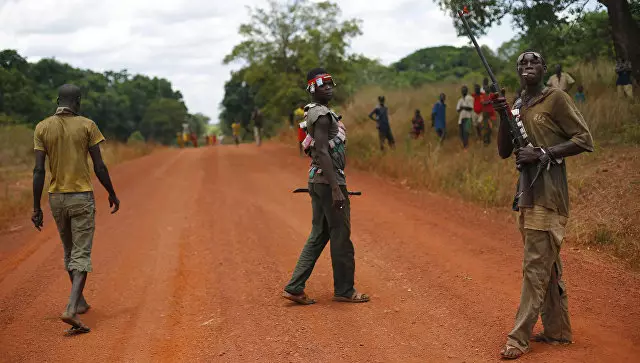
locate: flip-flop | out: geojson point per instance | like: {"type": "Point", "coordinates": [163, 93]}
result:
{"type": "Point", "coordinates": [301, 299]}
{"type": "Point", "coordinates": [75, 323]}
{"type": "Point", "coordinates": [355, 298]}
{"type": "Point", "coordinates": [75, 331]}
{"type": "Point", "coordinates": [511, 348]}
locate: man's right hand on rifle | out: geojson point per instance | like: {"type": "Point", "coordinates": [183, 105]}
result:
{"type": "Point", "coordinates": [498, 101]}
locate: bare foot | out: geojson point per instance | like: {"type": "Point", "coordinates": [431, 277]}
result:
{"type": "Point", "coordinates": [77, 325]}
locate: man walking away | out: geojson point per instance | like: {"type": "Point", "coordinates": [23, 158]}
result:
{"type": "Point", "coordinates": [257, 125]}
{"type": "Point", "coordinates": [561, 79]}
{"type": "Point", "coordinates": [478, 98]}
{"type": "Point", "coordinates": [557, 130]}
{"type": "Point", "coordinates": [465, 111]}
{"type": "Point", "coordinates": [624, 83]}
{"type": "Point", "coordinates": [382, 120]}
{"type": "Point", "coordinates": [438, 117]}
{"type": "Point", "coordinates": [329, 198]}
{"type": "Point", "coordinates": [66, 138]}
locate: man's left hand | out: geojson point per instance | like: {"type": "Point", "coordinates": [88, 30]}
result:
{"type": "Point", "coordinates": [37, 219]}
{"type": "Point", "coordinates": [527, 155]}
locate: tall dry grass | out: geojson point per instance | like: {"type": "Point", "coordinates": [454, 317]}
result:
{"type": "Point", "coordinates": [604, 213]}
{"type": "Point", "coordinates": [16, 165]}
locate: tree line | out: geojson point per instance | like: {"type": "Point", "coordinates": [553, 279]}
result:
{"type": "Point", "coordinates": [286, 38]}
{"type": "Point", "coordinates": [121, 104]}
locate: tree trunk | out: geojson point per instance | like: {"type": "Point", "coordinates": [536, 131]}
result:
{"type": "Point", "coordinates": [626, 33]}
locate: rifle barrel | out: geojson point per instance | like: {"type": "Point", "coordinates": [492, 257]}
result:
{"type": "Point", "coordinates": [479, 50]}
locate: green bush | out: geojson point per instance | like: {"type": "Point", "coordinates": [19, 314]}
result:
{"type": "Point", "coordinates": [136, 137]}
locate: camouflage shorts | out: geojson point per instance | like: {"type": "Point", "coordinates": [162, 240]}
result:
{"type": "Point", "coordinates": [74, 214]}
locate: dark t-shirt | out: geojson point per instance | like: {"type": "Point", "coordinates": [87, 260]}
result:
{"type": "Point", "coordinates": [382, 117]}
{"type": "Point", "coordinates": [552, 119]}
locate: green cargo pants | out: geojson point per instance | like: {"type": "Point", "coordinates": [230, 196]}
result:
{"type": "Point", "coordinates": [75, 214]}
{"type": "Point", "coordinates": [543, 291]}
{"type": "Point", "coordinates": [333, 224]}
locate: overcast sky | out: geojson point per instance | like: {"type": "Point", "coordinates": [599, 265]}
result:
{"type": "Point", "coordinates": [186, 40]}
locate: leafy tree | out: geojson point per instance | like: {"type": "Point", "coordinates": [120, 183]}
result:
{"type": "Point", "coordinates": [282, 42]}
{"type": "Point", "coordinates": [117, 101]}
{"type": "Point", "coordinates": [539, 19]}
{"type": "Point", "coordinates": [162, 119]}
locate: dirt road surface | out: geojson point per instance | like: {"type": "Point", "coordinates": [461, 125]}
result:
{"type": "Point", "coordinates": [192, 268]}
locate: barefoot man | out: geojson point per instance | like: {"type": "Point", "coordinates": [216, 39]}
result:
{"type": "Point", "coordinates": [329, 197]}
{"type": "Point", "coordinates": [66, 138]}
{"type": "Point", "coordinates": [557, 130]}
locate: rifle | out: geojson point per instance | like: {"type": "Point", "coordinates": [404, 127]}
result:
{"type": "Point", "coordinates": [518, 133]}
{"type": "Point", "coordinates": [305, 190]}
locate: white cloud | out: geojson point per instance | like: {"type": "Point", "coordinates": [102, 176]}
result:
{"type": "Point", "coordinates": [186, 40]}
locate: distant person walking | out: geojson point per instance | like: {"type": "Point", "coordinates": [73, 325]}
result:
{"type": "Point", "coordinates": [561, 79]}
{"type": "Point", "coordinates": [66, 138]}
{"type": "Point", "coordinates": [417, 125]}
{"type": "Point", "coordinates": [257, 119]}
{"type": "Point", "coordinates": [624, 83]}
{"type": "Point", "coordinates": [465, 114]}
{"type": "Point", "coordinates": [235, 127]}
{"type": "Point", "coordinates": [438, 117]}
{"type": "Point", "coordinates": [382, 119]}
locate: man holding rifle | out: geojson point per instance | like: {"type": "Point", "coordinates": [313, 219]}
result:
{"type": "Point", "coordinates": [555, 129]}
{"type": "Point", "coordinates": [325, 144]}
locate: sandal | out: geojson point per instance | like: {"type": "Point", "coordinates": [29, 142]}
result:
{"type": "Point", "coordinates": [357, 297]}
{"type": "Point", "coordinates": [541, 338]}
{"type": "Point", "coordinates": [510, 352]}
{"type": "Point", "coordinates": [301, 299]}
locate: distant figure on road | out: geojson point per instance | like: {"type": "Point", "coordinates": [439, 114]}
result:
{"type": "Point", "coordinates": [257, 118]}
{"type": "Point", "coordinates": [381, 113]}
{"type": "Point", "coordinates": [465, 111]}
{"type": "Point", "coordinates": [194, 139]}
{"type": "Point", "coordinates": [417, 125]}
{"type": "Point", "coordinates": [561, 79]}
{"type": "Point", "coordinates": [179, 140]}
{"type": "Point", "coordinates": [235, 127]}
{"type": "Point", "coordinates": [557, 130]}
{"type": "Point", "coordinates": [66, 138]}
{"type": "Point", "coordinates": [580, 96]}
{"type": "Point", "coordinates": [623, 82]}
{"type": "Point", "coordinates": [438, 117]}
{"type": "Point", "coordinates": [329, 198]}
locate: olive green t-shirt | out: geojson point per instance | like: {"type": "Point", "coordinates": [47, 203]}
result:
{"type": "Point", "coordinates": [552, 119]}
{"type": "Point", "coordinates": [66, 139]}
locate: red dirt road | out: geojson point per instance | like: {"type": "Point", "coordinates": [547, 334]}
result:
{"type": "Point", "coordinates": [193, 265]}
